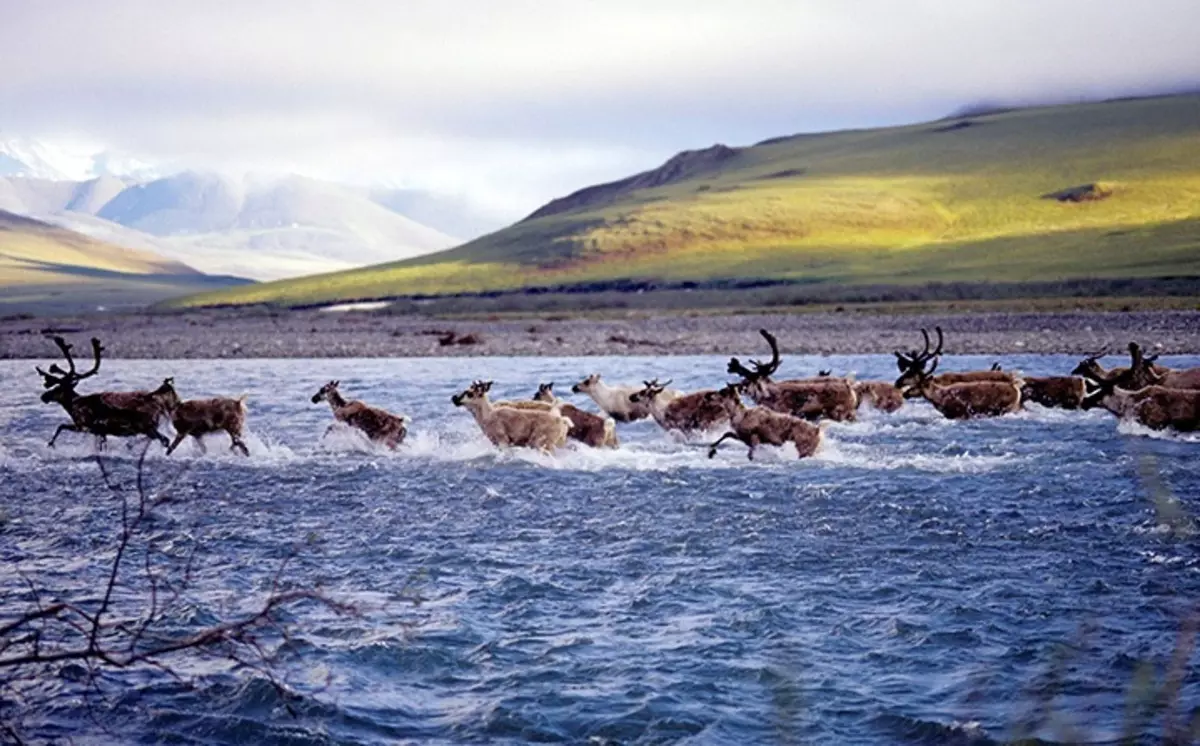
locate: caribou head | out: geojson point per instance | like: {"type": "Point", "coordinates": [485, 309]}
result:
{"type": "Point", "coordinates": [325, 392]}
{"type": "Point", "coordinates": [913, 364]}
{"type": "Point", "coordinates": [586, 384]}
{"type": "Point", "coordinates": [60, 384]}
{"type": "Point", "coordinates": [476, 391]}
{"type": "Point", "coordinates": [1089, 367]}
{"type": "Point", "coordinates": [652, 389]}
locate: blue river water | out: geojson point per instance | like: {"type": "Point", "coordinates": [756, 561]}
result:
{"type": "Point", "coordinates": [917, 581]}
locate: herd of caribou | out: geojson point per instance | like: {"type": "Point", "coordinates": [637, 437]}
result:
{"type": "Point", "coordinates": [784, 412]}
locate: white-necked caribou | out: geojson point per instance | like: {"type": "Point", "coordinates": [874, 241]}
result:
{"type": "Point", "coordinates": [615, 400]}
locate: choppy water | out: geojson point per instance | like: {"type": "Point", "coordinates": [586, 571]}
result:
{"type": "Point", "coordinates": [915, 582]}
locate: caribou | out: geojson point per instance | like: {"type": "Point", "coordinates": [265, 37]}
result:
{"type": "Point", "coordinates": [913, 365]}
{"type": "Point", "coordinates": [379, 425]}
{"type": "Point", "coordinates": [1144, 372]}
{"type": "Point", "coordinates": [510, 426]}
{"type": "Point", "coordinates": [1059, 392]}
{"type": "Point", "coordinates": [1091, 369]}
{"type": "Point", "coordinates": [965, 400]}
{"type": "Point", "coordinates": [1156, 407]}
{"type": "Point", "coordinates": [199, 417]}
{"type": "Point", "coordinates": [615, 400]}
{"type": "Point", "coordinates": [586, 427]}
{"type": "Point", "coordinates": [687, 413]}
{"type": "Point", "coordinates": [759, 425]}
{"type": "Point", "coordinates": [121, 414]}
{"type": "Point", "coordinates": [812, 398]}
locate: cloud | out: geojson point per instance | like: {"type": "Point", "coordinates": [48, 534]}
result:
{"type": "Point", "coordinates": [516, 102]}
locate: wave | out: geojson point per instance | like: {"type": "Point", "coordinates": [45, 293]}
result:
{"type": "Point", "coordinates": [1129, 427]}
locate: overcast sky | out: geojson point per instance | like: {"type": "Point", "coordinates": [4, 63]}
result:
{"type": "Point", "coordinates": [512, 102]}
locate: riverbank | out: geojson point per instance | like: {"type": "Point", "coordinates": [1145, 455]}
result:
{"type": "Point", "coordinates": [282, 334]}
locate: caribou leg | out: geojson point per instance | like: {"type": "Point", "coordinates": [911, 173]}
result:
{"type": "Point", "coordinates": [753, 442]}
{"type": "Point", "coordinates": [712, 449]}
{"type": "Point", "coordinates": [175, 443]}
{"type": "Point", "coordinates": [72, 427]}
{"type": "Point", "coordinates": [238, 444]}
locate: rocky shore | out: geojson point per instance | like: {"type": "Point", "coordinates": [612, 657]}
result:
{"type": "Point", "coordinates": [261, 334]}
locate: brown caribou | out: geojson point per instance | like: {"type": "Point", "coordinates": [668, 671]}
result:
{"type": "Point", "coordinates": [1091, 369]}
{"type": "Point", "coordinates": [199, 417]}
{"type": "Point", "coordinates": [586, 427]}
{"type": "Point", "coordinates": [811, 398]}
{"type": "Point", "coordinates": [687, 413]}
{"type": "Point", "coordinates": [759, 425]}
{"type": "Point", "coordinates": [1156, 407]}
{"type": "Point", "coordinates": [614, 400]}
{"type": "Point", "coordinates": [510, 426]}
{"type": "Point", "coordinates": [913, 365]}
{"type": "Point", "coordinates": [1143, 371]}
{"type": "Point", "coordinates": [379, 425]}
{"type": "Point", "coordinates": [1059, 392]}
{"type": "Point", "coordinates": [121, 414]}
{"type": "Point", "coordinates": [965, 400]}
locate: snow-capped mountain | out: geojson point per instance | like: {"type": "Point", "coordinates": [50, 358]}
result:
{"type": "Point", "coordinates": [66, 161]}
{"type": "Point", "coordinates": [255, 228]}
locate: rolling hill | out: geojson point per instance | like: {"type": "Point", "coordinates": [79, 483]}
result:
{"type": "Point", "coordinates": [1096, 190]}
{"type": "Point", "coordinates": [46, 267]}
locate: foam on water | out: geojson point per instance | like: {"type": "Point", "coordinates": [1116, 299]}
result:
{"type": "Point", "coordinates": [1129, 427]}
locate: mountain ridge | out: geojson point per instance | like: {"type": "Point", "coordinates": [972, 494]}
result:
{"type": "Point", "coordinates": [912, 204]}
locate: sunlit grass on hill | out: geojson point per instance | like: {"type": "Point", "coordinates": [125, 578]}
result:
{"type": "Point", "coordinates": [46, 268]}
{"type": "Point", "coordinates": [961, 200]}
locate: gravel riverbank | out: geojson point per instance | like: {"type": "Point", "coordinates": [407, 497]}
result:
{"type": "Point", "coordinates": [227, 333]}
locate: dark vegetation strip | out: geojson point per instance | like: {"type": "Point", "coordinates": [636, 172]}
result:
{"type": "Point", "coordinates": [765, 293]}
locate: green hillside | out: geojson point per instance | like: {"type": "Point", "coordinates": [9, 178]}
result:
{"type": "Point", "coordinates": [44, 268]}
{"type": "Point", "coordinates": [956, 200]}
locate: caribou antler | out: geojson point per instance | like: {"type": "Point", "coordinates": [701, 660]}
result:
{"type": "Point", "coordinates": [1135, 355]}
{"type": "Point", "coordinates": [761, 370]}
{"type": "Point", "coordinates": [69, 377]}
{"type": "Point", "coordinates": [735, 367]}
{"type": "Point", "coordinates": [918, 358]}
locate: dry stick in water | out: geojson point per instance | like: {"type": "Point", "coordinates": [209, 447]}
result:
{"type": "Point", "coordinates": [50, 634]}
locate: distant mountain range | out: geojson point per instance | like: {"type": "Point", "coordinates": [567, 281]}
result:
{"type": "Point", "coordinates": [256, 228]}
